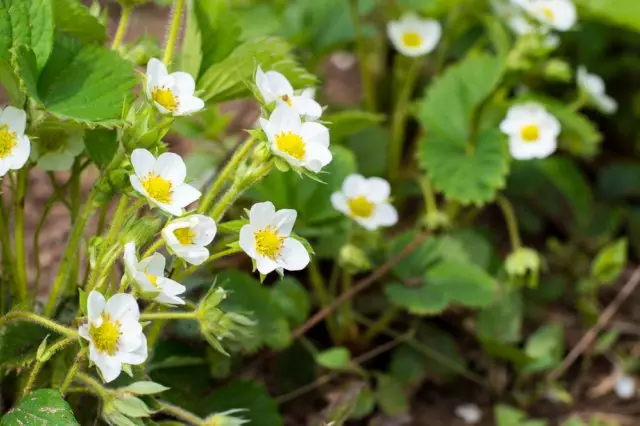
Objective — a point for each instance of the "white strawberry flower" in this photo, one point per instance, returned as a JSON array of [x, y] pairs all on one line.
[[266, 240], [14, 144], [161, 180], [171, 93], [560, 15], [516, 19], [188, 237], [413, 36], [274, 87], [148, 274], [366, 201], [114, 333], [594, 87], [300, 144], [532, 131]]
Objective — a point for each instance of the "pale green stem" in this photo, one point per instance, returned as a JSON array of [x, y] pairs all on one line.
[[429, 197], [168, 316], [382, 324], [176, 18], [72, 371], [323, 295], [153, 248], [21, 259], [180, 413], [210, 259], [8, 265], [37, 319], [36, 242], [92, 383], [368, 88], [48, 353], [122, 26], [511, 220]]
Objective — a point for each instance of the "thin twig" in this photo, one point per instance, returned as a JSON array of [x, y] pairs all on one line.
[[603, 320]]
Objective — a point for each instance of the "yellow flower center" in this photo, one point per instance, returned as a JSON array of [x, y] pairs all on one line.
[[549, 14], [411, 39], [165, 97], [530, 133], [105, 337], [185, 235], [291, 144], [158, 188], [152, 278], [360, 207], [287, 100], [268, 242], [8, 141]]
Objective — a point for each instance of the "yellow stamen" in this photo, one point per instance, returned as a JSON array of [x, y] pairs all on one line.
[[287, 100], [152, 278], [411, 39], [8, 141], [105, 338], [549, 14], [165, 97], [360, 207], [291, 144], [185, 235], [158, 188], [530, 133], [268, 242]]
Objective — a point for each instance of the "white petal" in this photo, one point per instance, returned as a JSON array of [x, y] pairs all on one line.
[[137, 185], [171, 167], [386, 215], [264, 265], [339, 202], [607, 104], [528, 150], [20, 153], [189, 105], [309, 93], [122, 305], [261, 214], [283, 220], [247, 240], [193, 254], [263, 86], [204, 228], [431, 32], [138, 356], [15, 119], [316, 157], [130, 258], [172, 209], [378, 190], [142, 161], [83, 331], [315, 133], [185, 194], [110, 367], [306, 107], [154, 264], [171, 287], [183, 84], [95, 305], [284, 119], [294, 256], [268, 128], [168, 299], [354, 185], [278, 84], [156, 70]]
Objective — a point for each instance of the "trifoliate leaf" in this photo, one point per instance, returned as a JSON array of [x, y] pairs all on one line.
[[85, 83], [40, 407], [28, 23], [75, 19]]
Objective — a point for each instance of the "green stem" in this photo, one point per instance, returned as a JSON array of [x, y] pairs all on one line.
[[153, 248], [430, 202], [319, 286], [48, 353], [21, 259], [396, 142], [512, 222], [366, 77], [225, 174], [180, 413], [210, 259], [168, 316], [382, 324], [176, 18], [72, 372], [71, 251], [36, 241], [122, 26], [37, 319], [347, 306], [93, 384], [8, 265]]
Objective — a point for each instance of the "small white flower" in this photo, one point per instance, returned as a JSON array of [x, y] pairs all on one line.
[[469, 413], [532, 131], [14, 144], [413, 36], [114, 333], [366, 201], [560, 15], [161, 180], [594, 87], [516, 19], [301, 144], [187, 237], [625, 387], [274, 87], [266, 240], [56, 151], [171, 93], [148, 274]]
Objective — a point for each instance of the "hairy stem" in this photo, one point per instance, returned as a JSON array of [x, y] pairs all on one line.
[[48, 353], [72, 372], [122, 26], [21, 259], [180, 413], [37, 319], [168, 316], [172, 37]]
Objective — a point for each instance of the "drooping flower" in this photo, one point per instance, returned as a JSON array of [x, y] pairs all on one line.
[[148, 274], [55, 150], [274, 87], [14, 144], [300, 144], [594, 88], [413, 36], [171, 93], [161, 180], [532, 131], [188, 237], [114, 333], [560, 15], [366, 201], [266, 240]]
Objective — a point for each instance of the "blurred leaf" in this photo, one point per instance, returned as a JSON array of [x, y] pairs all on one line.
[[419, 260], [40, 407], [508, 416], [293, 300], [579, 135], [370, 148], [337, 358], [502, 321], [507, 352], [132, 406], [145, 388], [610, 261], [618, 180], [407, 366], [605, 342], [343, 124], [546, 347], [390, 395], [75, 19], [365, 404], [625, 13], [101, 145]]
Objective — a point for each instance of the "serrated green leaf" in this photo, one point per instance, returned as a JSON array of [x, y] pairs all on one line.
[[610, 261], [337, 358], [40, 407], [346, 123], [293, 300], [391, 396], [26, 23], [230, 78], [85, 83], [101, 145], [19, 342], [75, 19]]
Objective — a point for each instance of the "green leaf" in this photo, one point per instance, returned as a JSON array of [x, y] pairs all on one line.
[[132, 406], [101, 145], [145, 388], [232, 226], [546, 347], [85, 83], [337, 358], [19, 343], [610, 261], [502, 322], [419, 260], [391, 396], [40, 407], [27, 23], [365, 404], [579, 135], [372, 140], [343, 124], [508, 416], [625, 13], [261, 409], [407, 366], [75, 19], [618, 180], [230, 78], [293, 300]]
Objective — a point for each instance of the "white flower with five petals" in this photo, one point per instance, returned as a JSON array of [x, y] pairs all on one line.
[[560, 15], [532, 131], [148, 274], [266, 239], [366, 201], [161, 180], [300, 144], [413, 36], [188, 237], [274, 87], [114, 333], [14, 144], [594, 87], [171, 93]]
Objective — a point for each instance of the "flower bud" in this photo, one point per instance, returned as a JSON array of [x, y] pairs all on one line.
[[353, 259], [225, 419], [558, 70], [436, 220], [524, 262]]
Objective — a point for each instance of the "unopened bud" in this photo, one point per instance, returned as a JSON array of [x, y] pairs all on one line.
[[353, 259]]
